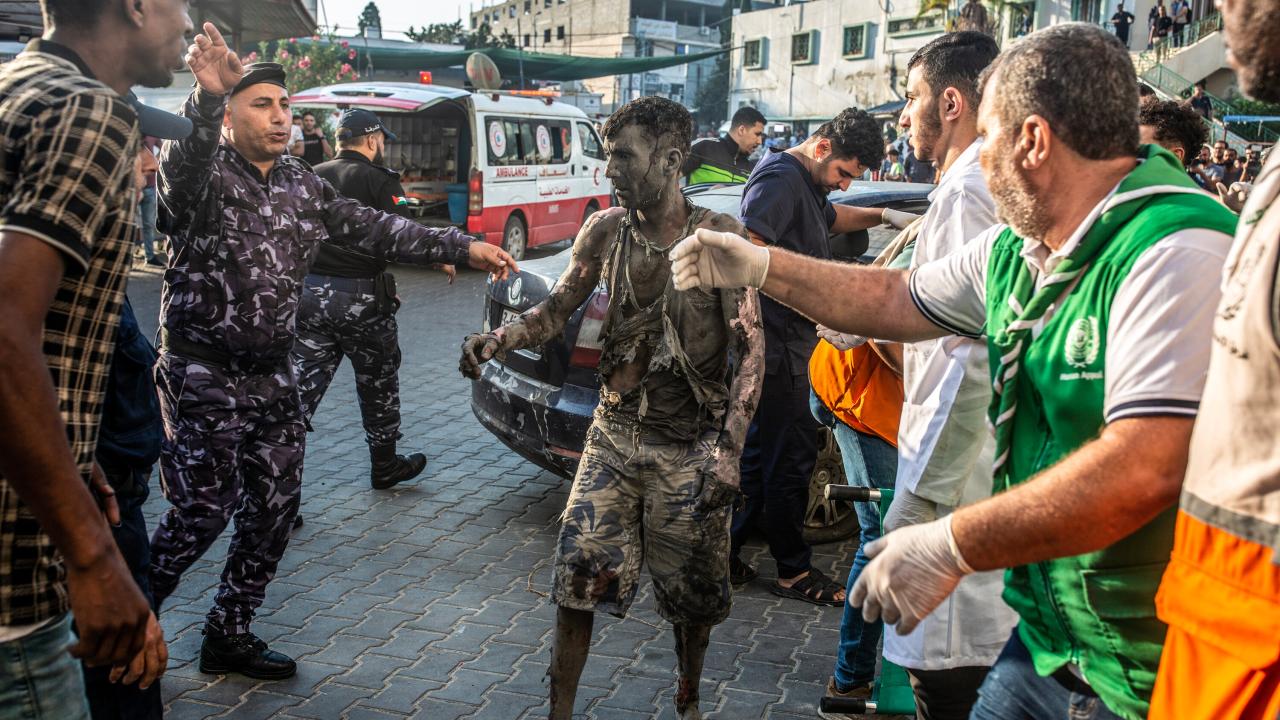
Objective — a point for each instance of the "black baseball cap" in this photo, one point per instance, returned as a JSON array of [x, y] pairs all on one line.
[[158, 123], [261, 72], [354, 123]]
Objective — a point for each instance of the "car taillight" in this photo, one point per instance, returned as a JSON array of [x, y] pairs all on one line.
[[586, 351], [475, 192]]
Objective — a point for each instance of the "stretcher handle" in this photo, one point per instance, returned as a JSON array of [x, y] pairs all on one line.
[[855, 494], [847, 706]]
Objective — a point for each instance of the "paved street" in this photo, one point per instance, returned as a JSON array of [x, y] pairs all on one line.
[[429, 601]]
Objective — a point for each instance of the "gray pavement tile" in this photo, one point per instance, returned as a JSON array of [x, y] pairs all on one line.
[[401, 694], [498, 657], [409, 643], [329, 701], [263, 703], [373, 671], [467, 686], [743, 705], [431, 709], [438, 664], [501, 705], [190, 710]]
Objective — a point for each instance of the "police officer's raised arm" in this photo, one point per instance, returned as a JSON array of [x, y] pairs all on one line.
[[186, 165]]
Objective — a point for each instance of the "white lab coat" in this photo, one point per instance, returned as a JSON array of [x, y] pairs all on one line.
[[945, 450]]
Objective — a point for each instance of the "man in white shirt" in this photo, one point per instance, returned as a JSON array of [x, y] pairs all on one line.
[[944, 448], [1097, 304]]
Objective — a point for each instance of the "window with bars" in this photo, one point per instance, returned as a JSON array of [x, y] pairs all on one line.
[[753, 54], [855, 42], [802, 47]]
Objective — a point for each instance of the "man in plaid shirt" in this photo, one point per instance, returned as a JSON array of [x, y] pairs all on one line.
[[66, 232]]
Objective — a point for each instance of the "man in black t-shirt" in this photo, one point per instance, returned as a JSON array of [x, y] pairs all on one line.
[[313, 147], [349, 305], [1201, 102], [1122, 20], [785, 204]]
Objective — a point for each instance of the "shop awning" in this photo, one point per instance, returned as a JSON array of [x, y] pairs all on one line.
[[536, 66]]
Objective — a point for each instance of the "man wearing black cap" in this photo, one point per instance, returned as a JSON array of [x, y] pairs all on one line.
[[247, 222], [349, 305]]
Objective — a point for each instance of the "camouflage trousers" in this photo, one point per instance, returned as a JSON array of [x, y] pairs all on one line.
[[332, 324], [632, 503], [232, 449]]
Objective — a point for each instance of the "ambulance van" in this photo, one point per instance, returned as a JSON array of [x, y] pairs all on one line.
[[518, 171]]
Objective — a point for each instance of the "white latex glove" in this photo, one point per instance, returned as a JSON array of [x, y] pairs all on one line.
[[710, 259], [842, 341], [911, 572], [897, 218], [1233, 197], [908, 509]]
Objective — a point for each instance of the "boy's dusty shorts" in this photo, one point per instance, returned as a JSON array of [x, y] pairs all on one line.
[[632, 502]]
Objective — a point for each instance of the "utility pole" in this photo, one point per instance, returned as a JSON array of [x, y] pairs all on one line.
[[520, 51]]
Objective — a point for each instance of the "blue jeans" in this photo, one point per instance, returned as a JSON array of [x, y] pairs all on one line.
[[39, 680], [868, 462], [147, 220], [1014, 691]]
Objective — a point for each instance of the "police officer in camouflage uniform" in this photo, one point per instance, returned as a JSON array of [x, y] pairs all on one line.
[[246, 224], [349, 304]]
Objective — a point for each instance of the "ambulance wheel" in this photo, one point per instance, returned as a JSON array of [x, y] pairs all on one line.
[[827, 521], [515, 238], [592, 209]]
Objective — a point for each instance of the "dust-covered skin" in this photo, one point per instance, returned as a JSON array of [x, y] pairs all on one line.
[[660, 349]]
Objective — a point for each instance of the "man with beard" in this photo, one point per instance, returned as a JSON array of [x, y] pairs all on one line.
[[67, 232], [246, 223], [944, 449], [349, 305], [1096, 309], [785, 205], [1221, 593], [659, 472]]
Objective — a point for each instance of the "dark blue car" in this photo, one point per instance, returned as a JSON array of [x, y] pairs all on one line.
[[539, 401]]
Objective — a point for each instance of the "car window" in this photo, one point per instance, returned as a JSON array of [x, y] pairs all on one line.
[[590, 142]]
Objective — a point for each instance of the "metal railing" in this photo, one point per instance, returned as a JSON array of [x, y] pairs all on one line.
[[1166, 47], [1173, 85]]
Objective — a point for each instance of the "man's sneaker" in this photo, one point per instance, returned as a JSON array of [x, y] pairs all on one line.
[[244, 654], [857, 692], [389, 469]]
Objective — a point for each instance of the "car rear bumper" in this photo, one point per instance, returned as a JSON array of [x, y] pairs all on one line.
[[545, 424]]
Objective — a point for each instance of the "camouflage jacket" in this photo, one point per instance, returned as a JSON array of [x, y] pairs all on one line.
[[242, 244]]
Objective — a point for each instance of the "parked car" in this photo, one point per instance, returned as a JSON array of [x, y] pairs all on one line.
[[517, 171], [539, 401]]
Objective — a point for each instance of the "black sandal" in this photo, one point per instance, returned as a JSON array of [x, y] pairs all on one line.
[[741, 573], [814, 588]]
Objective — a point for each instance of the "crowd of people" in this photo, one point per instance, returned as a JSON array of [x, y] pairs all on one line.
[[1072, 393]]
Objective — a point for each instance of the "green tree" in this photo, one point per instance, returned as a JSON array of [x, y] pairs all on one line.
[[370, 17], [445, 33]]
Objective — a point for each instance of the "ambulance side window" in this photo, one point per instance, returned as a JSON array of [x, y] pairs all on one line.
[[561, 141], [590, 142]]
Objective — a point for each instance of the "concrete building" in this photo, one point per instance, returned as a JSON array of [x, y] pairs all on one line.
[[618, 28], [803, 63]]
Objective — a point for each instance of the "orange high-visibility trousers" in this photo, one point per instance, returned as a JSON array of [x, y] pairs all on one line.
[[1221, 599]]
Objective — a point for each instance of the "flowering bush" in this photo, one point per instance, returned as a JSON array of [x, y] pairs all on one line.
[[310, 62]]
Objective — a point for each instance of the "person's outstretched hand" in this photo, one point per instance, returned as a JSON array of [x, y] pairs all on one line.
[[477, 349], [1233, 197], [493, 260], [841, 341], [711, 259], [897, 218], [216, 68], [912, 570]]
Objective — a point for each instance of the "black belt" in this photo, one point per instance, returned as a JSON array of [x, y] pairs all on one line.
[[367, 286], [381, 286], [211, 355], [1072, 682]]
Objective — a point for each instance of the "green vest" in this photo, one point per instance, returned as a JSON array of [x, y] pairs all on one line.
[[713, 174], [1096, 610]]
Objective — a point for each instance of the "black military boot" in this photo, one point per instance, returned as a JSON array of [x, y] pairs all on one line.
[[244, 654], [390, 469]]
